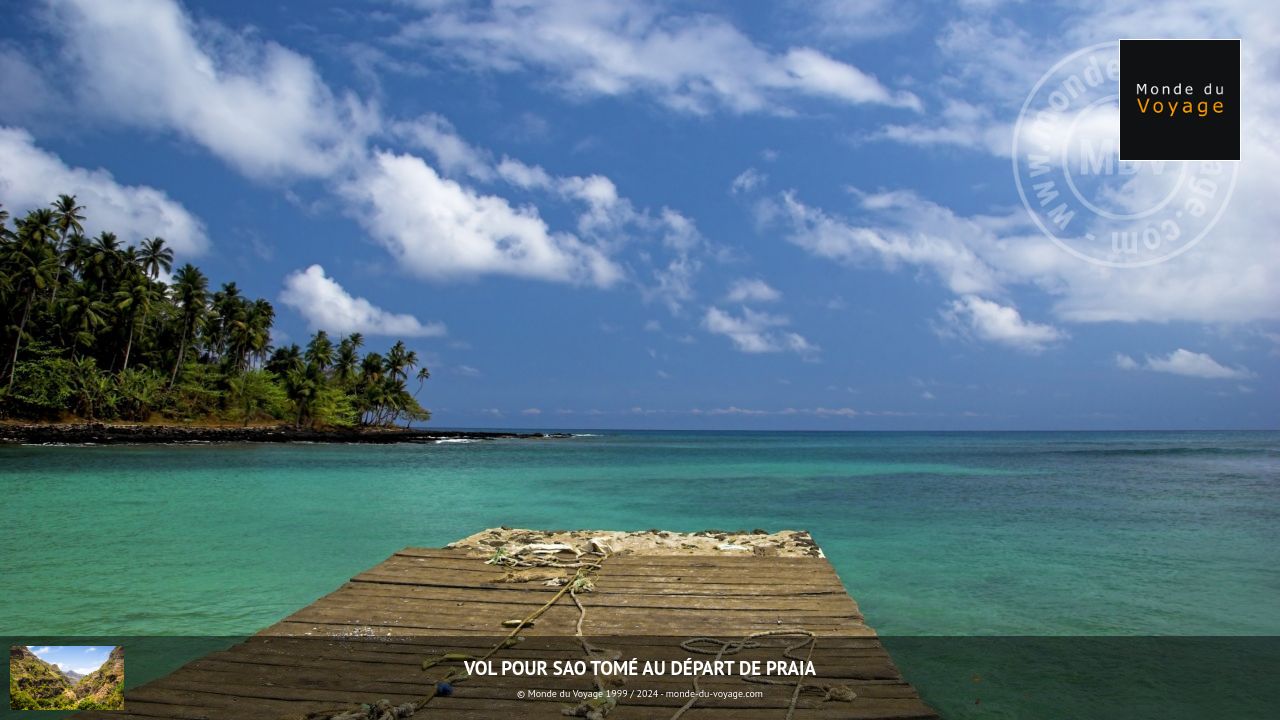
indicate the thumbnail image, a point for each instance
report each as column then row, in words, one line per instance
column 66, row 677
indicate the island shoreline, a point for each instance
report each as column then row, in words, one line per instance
column 148, row 434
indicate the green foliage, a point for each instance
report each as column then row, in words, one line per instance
column 333, row 408
column 138, row 393
column 86, row 327
column 42, row 385
column 197, row 394
column 256, row 395
column 93, row 392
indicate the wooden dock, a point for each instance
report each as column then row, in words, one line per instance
column 367, row 640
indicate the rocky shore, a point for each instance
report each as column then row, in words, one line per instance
column 116, row 434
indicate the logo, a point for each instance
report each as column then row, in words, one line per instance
column 1101, row 209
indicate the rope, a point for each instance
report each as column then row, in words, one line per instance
column 841, row 693
column 581, row 582
column 600, row 706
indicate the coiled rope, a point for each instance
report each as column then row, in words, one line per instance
column 720, row 648
column 581, row 582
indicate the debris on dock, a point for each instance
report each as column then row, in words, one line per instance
column 511, row 623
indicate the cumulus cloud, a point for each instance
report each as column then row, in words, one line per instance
column 439, row 228
column 258, row 106
column 909, row 232
column 751, row 290
column 756, row 332
column 434, row 133
column 988, row 320
column 327, row 306
column 611, row 222
column 747, row 180
column 692, row 63
column 31, row 177
column 265, row 110
column 1186, row 363
column 1226, row 278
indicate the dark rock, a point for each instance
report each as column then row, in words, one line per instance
column 100, row 434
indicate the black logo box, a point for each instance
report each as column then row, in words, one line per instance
column 1186, row 68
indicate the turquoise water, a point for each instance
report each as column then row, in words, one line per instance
column 946, row 534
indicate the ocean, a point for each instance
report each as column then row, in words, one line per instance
column 960, row 548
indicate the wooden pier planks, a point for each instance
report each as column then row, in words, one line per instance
column 366, row 640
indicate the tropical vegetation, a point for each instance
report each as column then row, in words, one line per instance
column 97, row 329
column 37, row 685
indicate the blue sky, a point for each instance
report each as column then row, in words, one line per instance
column 797, row 215
column 83, row 659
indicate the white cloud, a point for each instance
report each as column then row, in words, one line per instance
column 925, row 235
column 1226, row 278
column 731, row 410
column 747, row 180
column 755, row 332
column 853, row 20
column 454, row 155
column 439, row 228
column 467, row 371
column 1125, row 362
column 987, row 320
column 259, row 106
column 266, row 110
column 692, row 63
column 31, row 177
column 326, row 305
column 531, row 411
column 1187, row 363
column 607, row 222
column 993, row 63
column 751, row 290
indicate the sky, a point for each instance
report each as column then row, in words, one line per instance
column 792, row 215
column 83, row 659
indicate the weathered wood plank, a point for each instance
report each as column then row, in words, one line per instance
column 366, row 641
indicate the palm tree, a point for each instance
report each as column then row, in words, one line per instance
column 258, row 330
column 400, row 360
column 320, row 351
column 423, row 375
column 346, row 360
column 134, row 299
column 301, row 387
column 31, row 266
column 285, row 360
column 228, row 305
column 77, row 254
column 84, row 314
column 67, row 217
column 101, row 260
column 154, row 257
column 191, row 290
